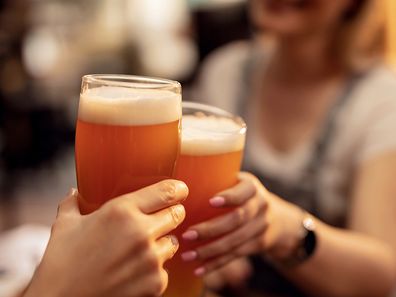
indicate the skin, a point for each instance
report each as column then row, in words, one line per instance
column 118, row 250
column 292, row 98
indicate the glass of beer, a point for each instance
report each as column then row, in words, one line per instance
column 127, row 135
column 211, row 153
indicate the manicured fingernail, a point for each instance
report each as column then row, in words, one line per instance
column 189, row 256
column 199, row 271
column 217, row 201
column 190, row 235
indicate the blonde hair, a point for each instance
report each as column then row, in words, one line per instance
column 391, row 31
column 362, row 38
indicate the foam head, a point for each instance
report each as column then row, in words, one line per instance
column 126, row 106
column 209, row 135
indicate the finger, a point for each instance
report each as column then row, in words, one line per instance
column 153, row 284
column 69, row 204
column 166, row 247
column 158, row 196
column 236, row 195
column 249, row 248
column 235, row 273
column 164, row 280
column 215, row 264
column 226, row 223
column 164, row 221
column 231, row 241
column 215, row 280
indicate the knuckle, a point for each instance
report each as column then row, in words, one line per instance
column 263, row 204
column 239, row 216
column 263, row 245
column 151, row 261
column 139, row 238
column 117, row 212
column 157, row 286
column 204, row 231
column 209, row 232
column 210, row 251
column 231, row 197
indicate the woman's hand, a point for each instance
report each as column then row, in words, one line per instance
column 118, row 250
column 261, row 223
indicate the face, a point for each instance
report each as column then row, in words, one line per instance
column 298, row 17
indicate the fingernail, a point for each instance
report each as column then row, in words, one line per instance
column 178, row 213
column 181, row 186
column 190, row 235
column 72, row 192
column 174, row 240
column 189, row 256
column 217, row 201
column 199, row 271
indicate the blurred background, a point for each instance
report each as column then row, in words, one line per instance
column 45, row 48
column 47, row 45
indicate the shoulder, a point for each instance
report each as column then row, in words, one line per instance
column 379, row 82
column 370, row 116
column 374, row 90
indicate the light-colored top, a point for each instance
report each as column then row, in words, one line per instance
column 364, row 128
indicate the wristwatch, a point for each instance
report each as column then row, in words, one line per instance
column 307, row 243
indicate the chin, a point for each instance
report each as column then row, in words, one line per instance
column 284, row 28
column 284, row 17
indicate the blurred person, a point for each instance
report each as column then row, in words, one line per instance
column 118, row 250
column 321, row 110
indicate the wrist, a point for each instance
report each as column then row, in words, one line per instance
column 42, row 285
column 305, row 244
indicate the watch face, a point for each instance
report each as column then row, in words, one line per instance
column 310, row 243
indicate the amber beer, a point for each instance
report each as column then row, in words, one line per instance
column 212, row 147
column 127, row 135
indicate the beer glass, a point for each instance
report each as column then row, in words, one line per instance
column 210, row 159
column 127, row 135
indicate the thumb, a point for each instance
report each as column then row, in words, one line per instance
column 69, row 204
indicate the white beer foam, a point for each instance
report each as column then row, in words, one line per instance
column 127, row 106
column 209, row 135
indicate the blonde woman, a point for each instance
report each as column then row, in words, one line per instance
column 320, row 105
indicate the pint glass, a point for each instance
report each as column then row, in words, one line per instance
column 127, row 135
column 210, row 159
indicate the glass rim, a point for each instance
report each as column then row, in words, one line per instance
column 217, row 111
column 130, row 81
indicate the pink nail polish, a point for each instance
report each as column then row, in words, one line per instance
column 189, row 256
column 199, row 271
column 190, row 235
column 217, row 201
